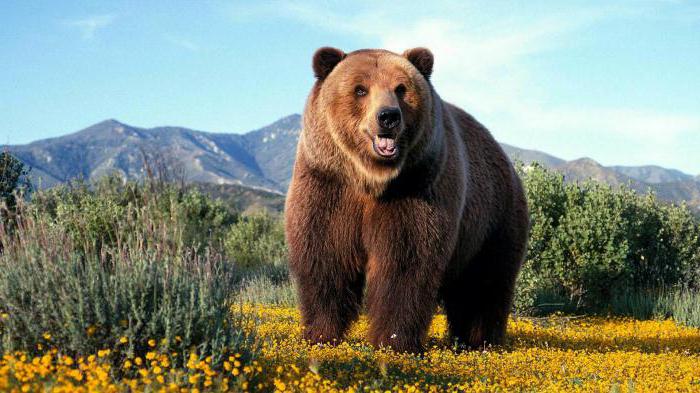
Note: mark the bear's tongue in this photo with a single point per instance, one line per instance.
(386, 146)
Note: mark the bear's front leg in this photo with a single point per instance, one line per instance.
(325, 258)
(400, 304)
(409, 246)
(329, 284)
(329, 303)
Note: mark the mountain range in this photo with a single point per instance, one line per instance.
(263, 159)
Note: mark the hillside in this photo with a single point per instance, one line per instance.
(242, 198)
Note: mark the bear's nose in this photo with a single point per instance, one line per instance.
(389, 118)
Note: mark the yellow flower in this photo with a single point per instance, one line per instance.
(280, 385)
(151, 343)
(47, 336)
(554, 354)
(123, 339)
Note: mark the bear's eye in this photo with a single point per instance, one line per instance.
(360, 91)
(400, 90)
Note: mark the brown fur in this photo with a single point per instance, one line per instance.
(445, 221)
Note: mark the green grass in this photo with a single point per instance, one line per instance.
(264, 290)
(682, 305)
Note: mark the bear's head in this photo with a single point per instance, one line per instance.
(375, 104)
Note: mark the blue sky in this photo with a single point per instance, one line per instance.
(615, 81)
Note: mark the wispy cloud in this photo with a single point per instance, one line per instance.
(89, 26)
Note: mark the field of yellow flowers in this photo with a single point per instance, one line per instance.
(552, 354)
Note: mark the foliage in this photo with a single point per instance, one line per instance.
(256, 240)
(113, 211)
(14, 177)
(14, 181)
(90, 269)
(589, 241)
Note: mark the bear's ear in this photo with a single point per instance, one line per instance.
(422, 59)
(325, 59)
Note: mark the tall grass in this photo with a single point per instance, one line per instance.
(682, 305)
(264, 290)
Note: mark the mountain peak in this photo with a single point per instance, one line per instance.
(105, 129)
(108, 123)
(291, 121)
(587, 161)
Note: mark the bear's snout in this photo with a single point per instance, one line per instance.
(389, 118)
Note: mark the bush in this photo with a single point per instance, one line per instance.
(112, 211)
(256, 240)
(86, 270)
(14, 181)
(589, 242)
(14, 178)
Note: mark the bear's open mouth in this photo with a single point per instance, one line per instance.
(385, 146)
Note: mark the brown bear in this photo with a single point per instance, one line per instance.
(397, 190)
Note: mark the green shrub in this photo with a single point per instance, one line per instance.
(256, 240)
(590, 245)
(591, 242)
(110, 212)
(14, 177)
(96, 270)
(14, 182)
